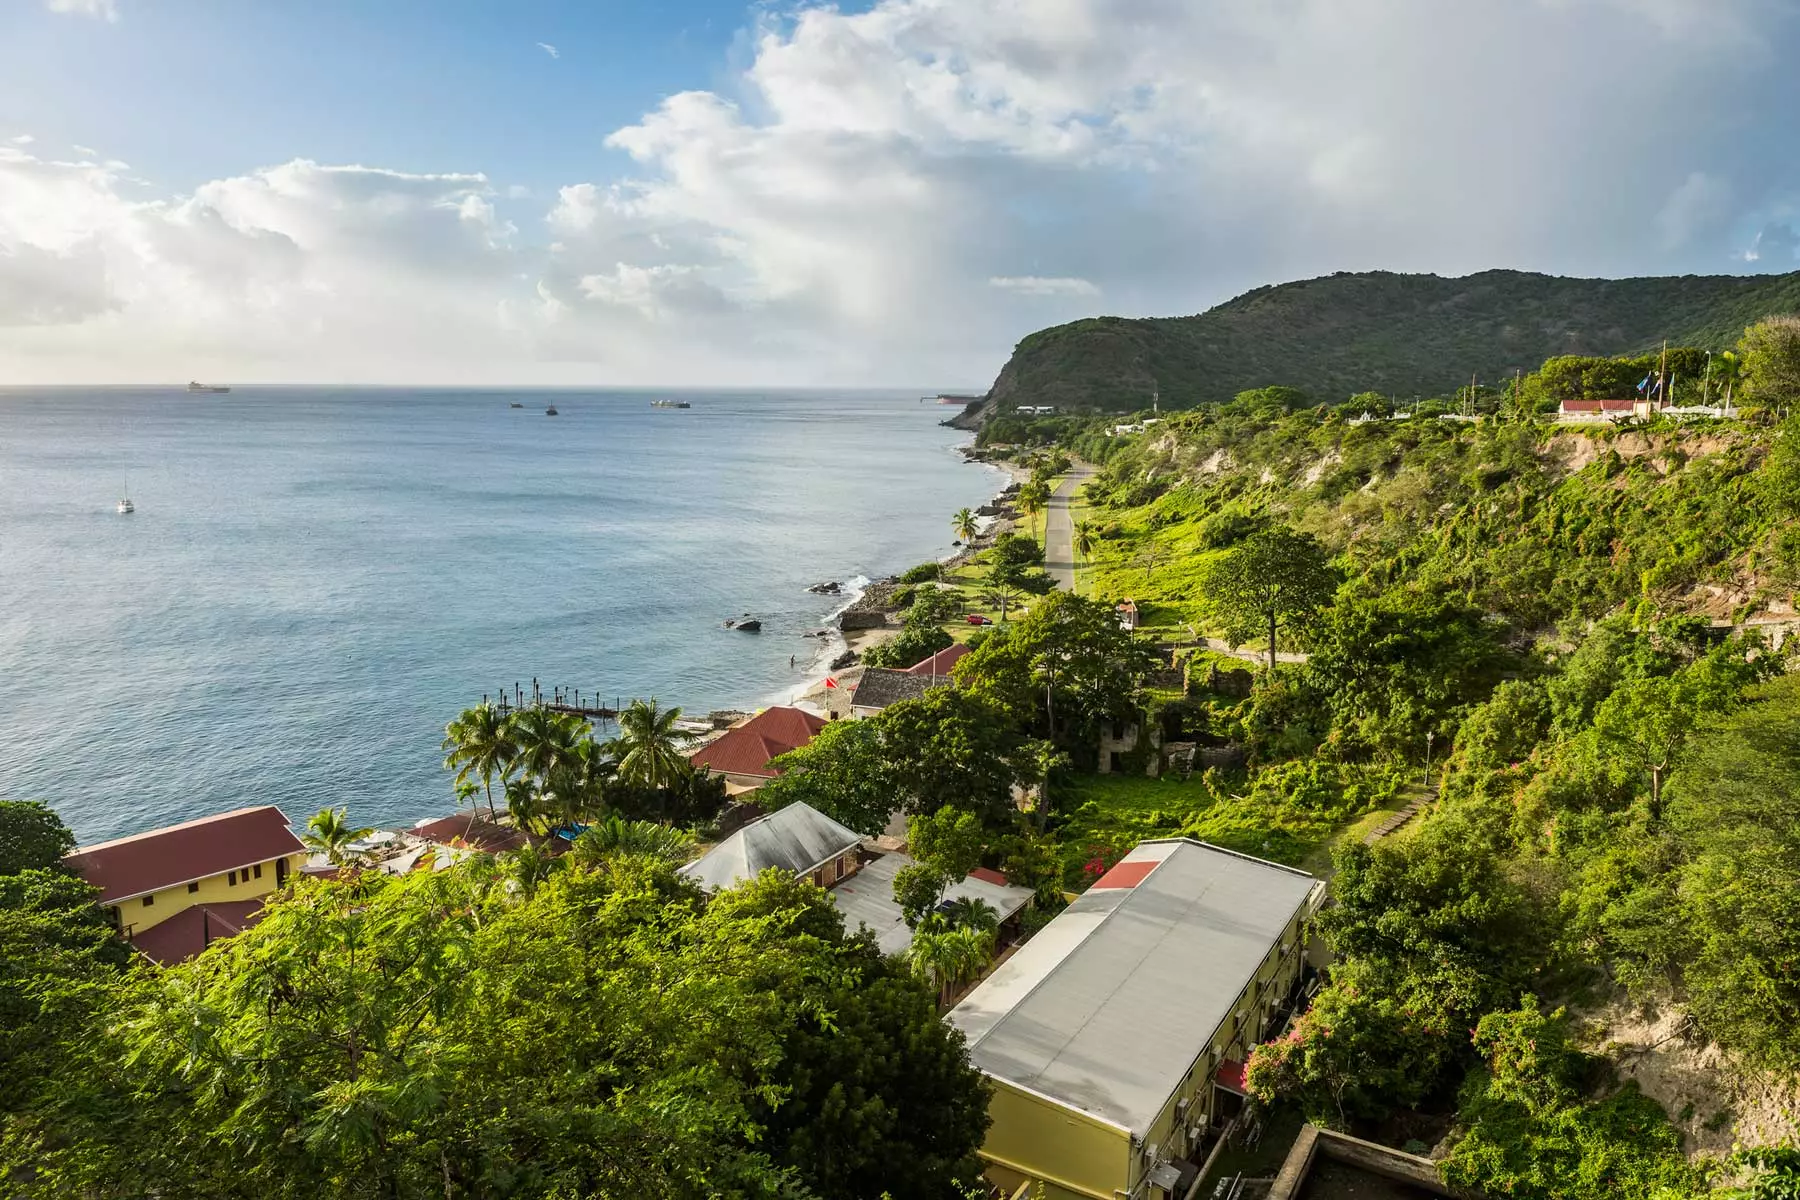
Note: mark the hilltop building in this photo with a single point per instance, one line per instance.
(172, 892)
(1116, 1037)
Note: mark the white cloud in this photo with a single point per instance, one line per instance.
(863, 200)
(88, 151)
(105, 10)
(23, 139)
(1038, 285)
(547, 48)
(1776, 245)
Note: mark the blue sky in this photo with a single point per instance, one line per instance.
(890, 192)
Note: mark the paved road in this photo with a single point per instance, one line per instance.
(1059, 529)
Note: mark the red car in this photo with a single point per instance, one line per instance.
(978, 619)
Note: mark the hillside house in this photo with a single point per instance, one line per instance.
(941, 663)
(174, 891)
(867, 899)
(878, 688)
(798, 839)
(742, 753)
(1115, 1038)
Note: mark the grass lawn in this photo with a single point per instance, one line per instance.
(1119, 811)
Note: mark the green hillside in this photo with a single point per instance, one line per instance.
(1403, 334)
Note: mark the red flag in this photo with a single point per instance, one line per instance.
(830, 682)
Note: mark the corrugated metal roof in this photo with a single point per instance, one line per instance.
(867, 899)
(1108, 1007)
(796, 838)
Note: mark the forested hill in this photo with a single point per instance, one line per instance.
(1401, 334)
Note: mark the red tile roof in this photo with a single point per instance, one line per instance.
(128, 867)
(746, 749)
(192, 930)
(469, 829)
(989, 875)
(941, 662)
(1127, 874)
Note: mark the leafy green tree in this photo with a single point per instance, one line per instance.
(61, 973)
(1731, 925)
(1770, 351)
(31, 836)
(1395, 664)
(545, 739)
(432, 1034)
(1273, 578)
(1528, 1132)
(846, 772)
(951, 957)
(970, 912)
(950, 747)
(918, 888)
(1017, 550)
(1357, 1052)
(1067, 660)
(950, 839)
(914, 644)
(481, 746)
(330, 833)
(648, 747)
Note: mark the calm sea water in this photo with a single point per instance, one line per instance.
(315, 580)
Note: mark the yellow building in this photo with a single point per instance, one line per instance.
(174, 891)
(1115, 1038)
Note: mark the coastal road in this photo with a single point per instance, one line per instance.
(1059, 527)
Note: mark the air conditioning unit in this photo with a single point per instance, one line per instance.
(1181, 1107)
(1150, 1153)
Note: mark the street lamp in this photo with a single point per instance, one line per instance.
(1429, 734)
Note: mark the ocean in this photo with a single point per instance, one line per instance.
(317, 579)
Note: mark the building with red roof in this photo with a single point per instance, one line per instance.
(941, 662)
(742, 753)
(226, 864)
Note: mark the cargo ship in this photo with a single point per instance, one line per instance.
(209, 388)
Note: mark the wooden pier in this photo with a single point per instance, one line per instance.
(568, 700)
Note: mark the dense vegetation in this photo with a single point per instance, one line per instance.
(1613, 809)
(1404, 335)
(584, 1026)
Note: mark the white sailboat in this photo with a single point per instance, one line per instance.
(125, 504)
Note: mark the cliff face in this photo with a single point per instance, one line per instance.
(1401, 334)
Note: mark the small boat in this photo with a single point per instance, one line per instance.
(670, 404)
(551, 411)
(515, 404)
(751, 626)
(126, 506)
(209, 388)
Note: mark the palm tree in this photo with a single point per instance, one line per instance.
(481, 746)
(964, 525)
(970, 912)
(1730, 368)
(617, 836)
(648, 748)
(1085, 538)
(328, 832)
(950, 957)
(1033, 497)
(545, 738)
(525, 805)
(527, 867)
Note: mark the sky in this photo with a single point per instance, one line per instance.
(627, 192)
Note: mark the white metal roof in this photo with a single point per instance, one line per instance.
(867, 899)
(1108, 1007)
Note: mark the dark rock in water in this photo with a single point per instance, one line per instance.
(751, 626)
(846, 659)
(834, 588)
(730, 624)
